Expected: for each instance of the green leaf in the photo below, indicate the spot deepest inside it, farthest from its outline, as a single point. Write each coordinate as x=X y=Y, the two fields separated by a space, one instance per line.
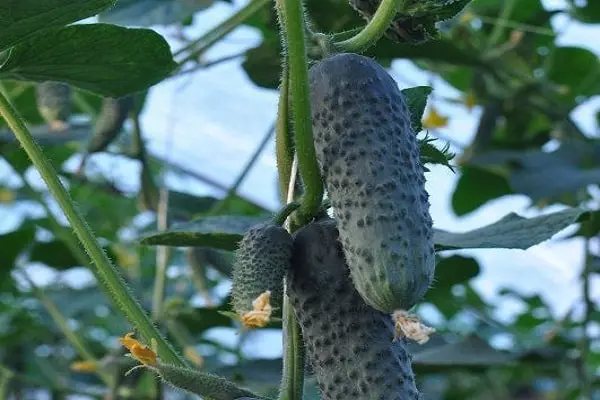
x=588 y=12
x=109 y=60
x=263 y=64
x=20 y=19
x=475 y=187
x=416 y=99
x=220 y=232
x=450 y=271
x=510 y=232
x=544 y=175
x=471 y=352
x=57 y=255
x=576 y=68
x=12 y=245
x=152 y=12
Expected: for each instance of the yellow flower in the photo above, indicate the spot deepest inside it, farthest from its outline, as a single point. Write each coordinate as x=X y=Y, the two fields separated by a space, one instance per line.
x=140 y=351
x=261 y=313
x=84 y=366
x=434 y=120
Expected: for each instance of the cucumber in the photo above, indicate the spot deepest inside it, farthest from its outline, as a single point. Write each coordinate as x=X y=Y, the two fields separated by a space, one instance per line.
x=261 y=262
x=369 y=158
x=348 y=344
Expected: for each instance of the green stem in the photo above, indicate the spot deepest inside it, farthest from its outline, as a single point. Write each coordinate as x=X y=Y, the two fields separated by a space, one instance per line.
x=293 y=357
x=293 y=20
x=62 y=324
x=375 y=28
x=220 y=206
x=218 y=32
x=110 y=278
x=284 y=139
x=281 y=216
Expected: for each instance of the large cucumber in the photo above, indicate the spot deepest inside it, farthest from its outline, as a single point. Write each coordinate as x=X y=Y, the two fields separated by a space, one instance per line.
x=348 y=343
x=369 y=159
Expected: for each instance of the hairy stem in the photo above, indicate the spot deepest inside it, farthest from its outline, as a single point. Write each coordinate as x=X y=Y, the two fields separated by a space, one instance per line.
x=110 y=278
x=294 y=35
x=375 y=28
x=284 y=140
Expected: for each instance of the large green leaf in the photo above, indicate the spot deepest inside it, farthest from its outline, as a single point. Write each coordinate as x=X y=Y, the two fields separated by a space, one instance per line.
x=20 y=19
x=110 y=60
x=221 y=232
x=153 y=12
x=510 y=232
x=544 y=175
x=56 y=254
x=475 y=187
x=576 y=68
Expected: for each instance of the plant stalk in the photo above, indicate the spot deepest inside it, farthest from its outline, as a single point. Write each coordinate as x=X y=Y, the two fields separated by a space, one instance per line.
x=111 y=280
x=294 y=36
x=375 y=28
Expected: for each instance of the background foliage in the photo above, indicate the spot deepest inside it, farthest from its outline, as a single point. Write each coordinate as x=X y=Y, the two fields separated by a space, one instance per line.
x=503 y=57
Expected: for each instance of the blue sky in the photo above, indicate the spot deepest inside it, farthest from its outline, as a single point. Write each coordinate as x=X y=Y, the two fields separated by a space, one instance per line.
x=212 y=121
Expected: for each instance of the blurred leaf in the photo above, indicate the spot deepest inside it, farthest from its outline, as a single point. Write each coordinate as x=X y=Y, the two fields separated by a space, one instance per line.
x=198 y=320
x=416 y=99
x=12 y=245
x=220 y=232
x=588 y=11
x=220 y=260
x=510 y=232
x=437 y=50
x=57 y=255
x=22 y=18
x=450 y=271
x=263 y=64
x=471 y=352
x=545 y=175
x=258 y=375
x=152 y=12
x=90 y=56
x=475 y=187
x=576 y=68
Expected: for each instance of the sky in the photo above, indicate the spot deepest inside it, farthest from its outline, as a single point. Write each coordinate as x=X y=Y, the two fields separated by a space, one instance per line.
x=212 y=121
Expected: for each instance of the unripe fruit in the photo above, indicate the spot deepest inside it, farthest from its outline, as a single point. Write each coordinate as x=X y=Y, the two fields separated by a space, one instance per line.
x=369 y=159
x=262 y=260
x=112 y=116
x=54 y=103
x=348 y=343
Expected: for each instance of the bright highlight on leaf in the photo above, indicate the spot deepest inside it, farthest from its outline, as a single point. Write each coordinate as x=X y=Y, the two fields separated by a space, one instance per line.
x=261 y=313
x=84 y=366
x=139 y=351
x=434 y=120
x=410 y=326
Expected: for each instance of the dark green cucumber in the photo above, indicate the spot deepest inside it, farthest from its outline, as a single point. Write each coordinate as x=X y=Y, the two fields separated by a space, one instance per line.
x=370 y=161
x=348 y=343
